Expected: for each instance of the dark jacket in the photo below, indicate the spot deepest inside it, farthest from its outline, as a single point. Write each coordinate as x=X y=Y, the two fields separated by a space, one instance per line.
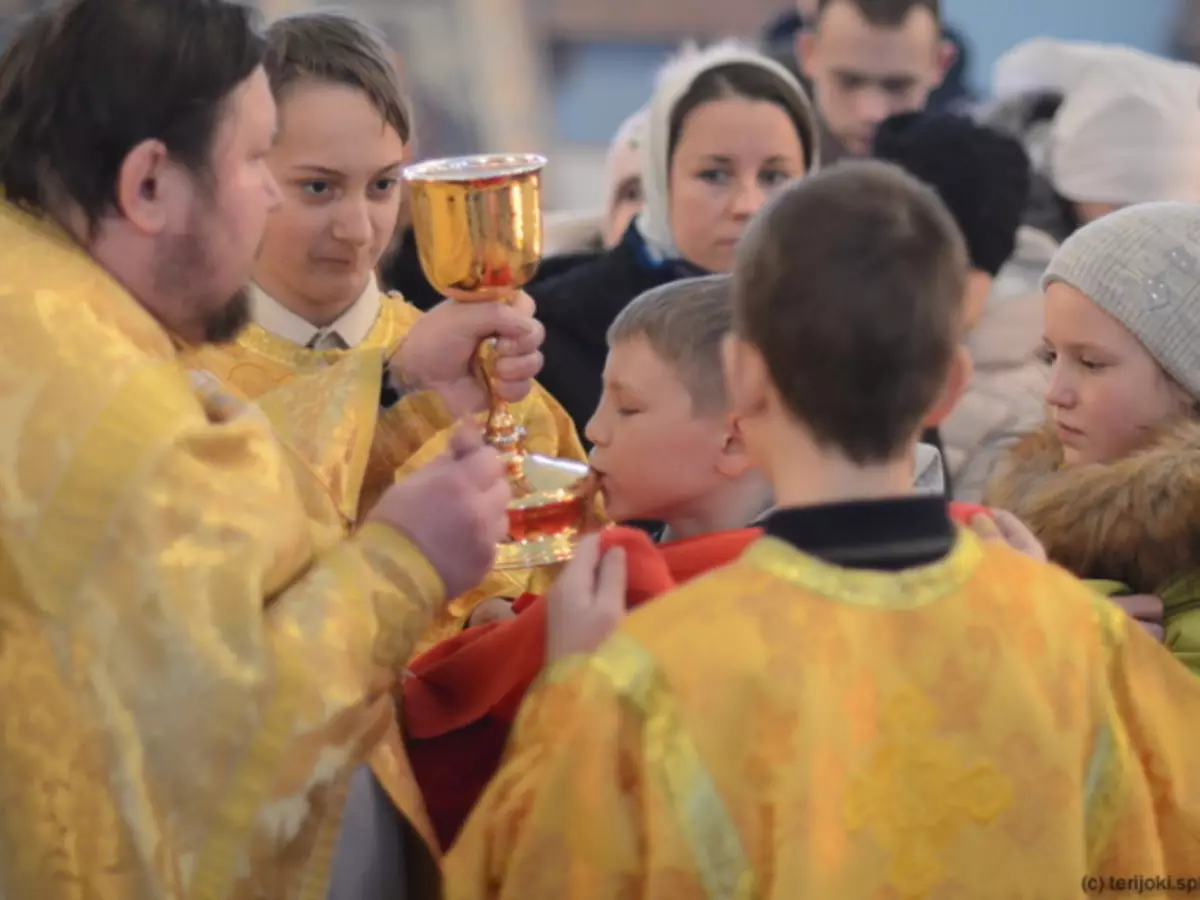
x=553 y=266
x=578 y=306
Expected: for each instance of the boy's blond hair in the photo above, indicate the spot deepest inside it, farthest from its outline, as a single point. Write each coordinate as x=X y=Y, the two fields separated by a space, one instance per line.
x=685 y=323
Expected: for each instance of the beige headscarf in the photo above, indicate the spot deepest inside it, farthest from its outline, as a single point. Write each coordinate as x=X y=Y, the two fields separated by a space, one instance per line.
x=674 y=81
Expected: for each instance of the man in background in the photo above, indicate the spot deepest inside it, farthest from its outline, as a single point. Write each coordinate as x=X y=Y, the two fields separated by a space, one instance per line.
x=866 y=60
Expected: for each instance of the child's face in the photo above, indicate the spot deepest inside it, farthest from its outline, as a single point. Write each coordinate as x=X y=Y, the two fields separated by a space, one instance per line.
x=656 y=458
x=338 y=164
x=1106 y=391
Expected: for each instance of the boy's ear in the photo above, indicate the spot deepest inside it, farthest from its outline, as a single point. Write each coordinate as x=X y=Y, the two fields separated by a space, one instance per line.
x=735 y=459
x=957 y=379
x=746 y=378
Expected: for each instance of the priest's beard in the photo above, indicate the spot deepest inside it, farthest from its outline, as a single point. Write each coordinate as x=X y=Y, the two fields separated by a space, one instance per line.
x=225 y=324
x=185 y=268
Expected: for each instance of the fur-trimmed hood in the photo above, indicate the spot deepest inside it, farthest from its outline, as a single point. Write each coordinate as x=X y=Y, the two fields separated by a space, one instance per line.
x=1136 y=521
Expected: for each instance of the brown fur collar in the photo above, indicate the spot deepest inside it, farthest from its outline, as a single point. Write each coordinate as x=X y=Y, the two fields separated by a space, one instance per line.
x=1136 y=521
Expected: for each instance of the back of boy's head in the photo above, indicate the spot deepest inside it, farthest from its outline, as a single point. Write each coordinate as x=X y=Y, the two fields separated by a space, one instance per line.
x=685 y=322
x=982 y=175
x=850 y=284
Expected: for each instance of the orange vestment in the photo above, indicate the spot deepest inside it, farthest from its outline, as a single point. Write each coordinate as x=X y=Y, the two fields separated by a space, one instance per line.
x=977 y=727
x=459 y=706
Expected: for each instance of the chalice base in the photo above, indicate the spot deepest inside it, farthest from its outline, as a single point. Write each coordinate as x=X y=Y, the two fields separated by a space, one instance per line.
x=547 y=514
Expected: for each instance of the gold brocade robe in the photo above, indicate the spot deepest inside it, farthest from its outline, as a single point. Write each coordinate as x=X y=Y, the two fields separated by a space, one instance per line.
x=357 y=451
x=981 y=727
x=369 y=450
x=186 y=657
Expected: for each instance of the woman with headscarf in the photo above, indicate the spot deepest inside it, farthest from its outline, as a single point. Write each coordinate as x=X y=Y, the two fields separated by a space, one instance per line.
x=725 y=129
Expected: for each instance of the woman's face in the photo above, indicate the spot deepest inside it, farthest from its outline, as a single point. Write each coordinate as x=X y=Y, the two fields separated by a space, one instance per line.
x=1106 y=391
x=731 y=156
x=338 y=164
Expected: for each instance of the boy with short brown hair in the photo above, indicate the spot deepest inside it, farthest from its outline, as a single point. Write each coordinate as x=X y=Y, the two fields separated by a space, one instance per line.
x=665 y=446
x=868 y=702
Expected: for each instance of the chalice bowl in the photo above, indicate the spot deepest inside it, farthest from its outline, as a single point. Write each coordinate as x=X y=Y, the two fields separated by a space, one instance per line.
x=478 y=225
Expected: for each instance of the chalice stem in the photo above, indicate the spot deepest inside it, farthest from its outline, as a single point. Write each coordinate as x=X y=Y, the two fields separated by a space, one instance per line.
x=502 y=430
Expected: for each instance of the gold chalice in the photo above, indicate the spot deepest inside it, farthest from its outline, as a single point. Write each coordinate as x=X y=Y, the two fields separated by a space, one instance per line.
x=478 y=224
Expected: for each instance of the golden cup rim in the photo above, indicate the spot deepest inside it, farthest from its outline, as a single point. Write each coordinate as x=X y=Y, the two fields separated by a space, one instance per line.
x=480 y=165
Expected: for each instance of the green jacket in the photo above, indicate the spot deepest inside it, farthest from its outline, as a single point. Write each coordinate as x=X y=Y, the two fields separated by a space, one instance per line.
x=1181 y=615
x=1132 y=525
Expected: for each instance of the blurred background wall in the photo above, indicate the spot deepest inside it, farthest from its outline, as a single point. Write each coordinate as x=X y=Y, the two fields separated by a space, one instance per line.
x=560 y=75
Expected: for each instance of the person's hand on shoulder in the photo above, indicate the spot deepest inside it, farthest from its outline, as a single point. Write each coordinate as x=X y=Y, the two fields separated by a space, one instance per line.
x=438 y=353
x=999 y=525
x=1146 y=610
x=455 y=510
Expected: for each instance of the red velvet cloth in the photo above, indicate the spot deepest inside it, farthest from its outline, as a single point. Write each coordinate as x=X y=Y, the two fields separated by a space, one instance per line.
x=963 y=513
x=460 y=703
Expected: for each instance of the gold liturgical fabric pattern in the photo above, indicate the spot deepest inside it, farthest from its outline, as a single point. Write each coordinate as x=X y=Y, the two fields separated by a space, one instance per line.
x=186 y=651
x=361 y=451
x=782 y=728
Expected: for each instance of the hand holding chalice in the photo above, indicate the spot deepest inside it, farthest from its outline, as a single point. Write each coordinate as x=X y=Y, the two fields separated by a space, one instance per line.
x=478 y=225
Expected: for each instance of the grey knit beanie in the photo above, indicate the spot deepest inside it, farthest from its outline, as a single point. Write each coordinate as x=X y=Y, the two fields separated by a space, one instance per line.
x=1141 y=265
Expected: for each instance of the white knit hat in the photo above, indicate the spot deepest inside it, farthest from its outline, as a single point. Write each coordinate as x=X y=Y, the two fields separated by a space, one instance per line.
x=1049 y=65
x=674 y=81
x=1130 y=133
x=1128 y=129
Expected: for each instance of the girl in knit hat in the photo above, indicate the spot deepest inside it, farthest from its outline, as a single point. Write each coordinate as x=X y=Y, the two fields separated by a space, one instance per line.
x=1112 y=485
x=725 y=128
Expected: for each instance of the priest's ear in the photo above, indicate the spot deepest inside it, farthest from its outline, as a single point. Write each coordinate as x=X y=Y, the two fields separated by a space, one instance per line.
x=153 y=190
x=958 y=376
